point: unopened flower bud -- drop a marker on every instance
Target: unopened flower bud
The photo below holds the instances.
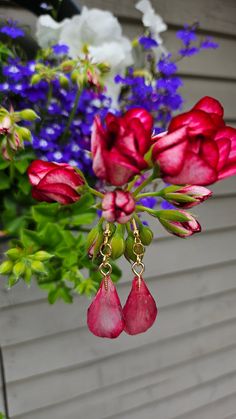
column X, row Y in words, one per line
column 67, row 66
column 42, row 256
column 28, row 115
column 118, row 242
column 118, row 206
column 24, row 133
column 35, row 79
column 14, row 253
column 175, row 224
column 104, row 67
column 27, row 275
column 129, row 244
column 38, row 267
column 19, row 269
column 74, row 75
column 6, row 267
column 94, row 241
column 186, row 196
column 146, row 235
column 63, row 80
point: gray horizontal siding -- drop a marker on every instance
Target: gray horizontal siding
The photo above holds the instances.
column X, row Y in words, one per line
column 185, row 366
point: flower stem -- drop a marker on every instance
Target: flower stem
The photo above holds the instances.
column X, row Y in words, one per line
column 95, row 192
column 147, row 194
column 142, row 208
column 132, row 183
column 143, row 184
column 71, row 117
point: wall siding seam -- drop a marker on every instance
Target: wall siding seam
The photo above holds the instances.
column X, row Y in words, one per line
column 168, row 307
column 176, row 27
column 151, row 278
column 143, row 347
column 179, row 393
column 135, row 379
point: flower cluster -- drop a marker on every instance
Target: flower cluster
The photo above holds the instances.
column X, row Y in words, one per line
column 156, row 85
column 54, row 138
column 104, row 137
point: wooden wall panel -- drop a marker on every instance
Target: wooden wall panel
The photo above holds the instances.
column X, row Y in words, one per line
column 184, row 367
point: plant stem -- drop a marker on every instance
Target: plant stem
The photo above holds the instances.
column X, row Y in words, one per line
column 12, row 171
column 71, row 117
column 141, row 208
column 95, row 192
column 143, row 184
column 132, row 183
column 147, row 194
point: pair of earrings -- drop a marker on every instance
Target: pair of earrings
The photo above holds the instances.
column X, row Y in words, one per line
column 106, row 318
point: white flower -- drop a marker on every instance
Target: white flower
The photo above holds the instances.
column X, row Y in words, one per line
column 48, row 30
column 100, row 31
column 151, row 20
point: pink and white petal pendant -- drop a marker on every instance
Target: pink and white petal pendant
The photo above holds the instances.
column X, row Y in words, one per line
column 105, row 317
column 140, row 309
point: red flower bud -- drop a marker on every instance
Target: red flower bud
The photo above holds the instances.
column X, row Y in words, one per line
column 140, row 309
column 186, row 196
column 104, row 317
column 118, row 206
column 181, row 229
column 54, row 182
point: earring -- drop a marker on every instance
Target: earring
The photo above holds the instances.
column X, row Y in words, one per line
column 104, row 316
column 140, row 309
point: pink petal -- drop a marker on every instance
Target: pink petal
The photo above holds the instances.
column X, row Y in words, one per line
column 224, row 146
column 62, row 175
column 108, row 201
column 195, row 171
column 104, row 317
column 97, row 148
column 172, row 159
column 39, row 196
column 209, row 152
column 228, row 170
column 144, row 117
column 38, row 169
column 230, row 133
column 143, row 137
column 196, row 121
column 59, row 192
column 140, row 309
column 119, row 169
column 210, row 105
column 166, row 141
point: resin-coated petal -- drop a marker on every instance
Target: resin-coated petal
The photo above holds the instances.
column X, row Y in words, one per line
column 104, row 317
column 140, row 309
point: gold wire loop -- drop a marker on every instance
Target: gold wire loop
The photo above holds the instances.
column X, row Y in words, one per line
column 138, row 269
column 138, row 266
column 106, row 250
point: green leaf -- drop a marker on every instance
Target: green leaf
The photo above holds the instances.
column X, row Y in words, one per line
column 85, row 202
column 15, row 224
column 31, row 239
column 21, row 165
column 45, row 212
column 4, row 164
column 51, row 236
column 5, row 181
column 24, row 185
column 82, row 219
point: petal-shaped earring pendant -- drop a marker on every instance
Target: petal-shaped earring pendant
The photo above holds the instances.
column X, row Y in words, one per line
column 104, row 317
column 140, row 309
